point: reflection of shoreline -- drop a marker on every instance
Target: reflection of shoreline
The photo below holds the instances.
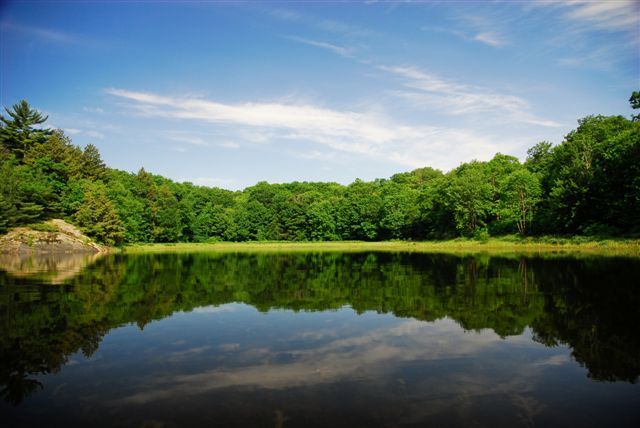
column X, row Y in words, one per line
column 51, row 268
column 560, row 300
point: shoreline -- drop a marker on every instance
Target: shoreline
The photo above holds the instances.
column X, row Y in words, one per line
column 459, row 246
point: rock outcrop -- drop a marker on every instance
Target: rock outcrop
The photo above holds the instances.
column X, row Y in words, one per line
column 55, row 237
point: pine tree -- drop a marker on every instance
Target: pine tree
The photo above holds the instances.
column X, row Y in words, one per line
column 94, row 167
column 7, row 213
column 99, row 219
column 17, row 132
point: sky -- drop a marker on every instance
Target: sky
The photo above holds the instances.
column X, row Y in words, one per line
column 228, row 94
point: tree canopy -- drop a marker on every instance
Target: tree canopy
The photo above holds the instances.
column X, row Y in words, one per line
column 587, row 184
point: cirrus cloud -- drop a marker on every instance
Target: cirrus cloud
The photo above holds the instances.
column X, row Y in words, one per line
column 357, row 133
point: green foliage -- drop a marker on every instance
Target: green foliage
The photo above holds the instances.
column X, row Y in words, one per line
column 212, row 222
column 44, row 227
column 93, row 167
column 17, row 132
column 469, row 196
column 635, row 104
column 594, row 176
column 98, row 217
column 588, row 184
column 520, row 192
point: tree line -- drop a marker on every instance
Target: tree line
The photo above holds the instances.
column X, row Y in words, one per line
column 589, row 184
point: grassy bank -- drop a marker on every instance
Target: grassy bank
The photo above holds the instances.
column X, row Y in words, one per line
column 494, row 245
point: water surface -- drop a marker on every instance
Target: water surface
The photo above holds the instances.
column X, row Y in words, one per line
column 323, row 339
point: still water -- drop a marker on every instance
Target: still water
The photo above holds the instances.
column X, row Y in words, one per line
column 320, row 339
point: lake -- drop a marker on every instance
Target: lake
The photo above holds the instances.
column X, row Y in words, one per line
column 320, row 339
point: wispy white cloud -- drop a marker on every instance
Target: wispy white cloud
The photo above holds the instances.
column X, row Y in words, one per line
column 489, row 37
column 94, row 134
column 50, row 35
column 82, row 132
column 580, row 41
column 93, row 110
column 361, row 133
column 229, row 145
column 286, row 15
column 597, row 58
column 317, row 155
column 181, row 137
column 457, row 98
column 343, row 28
column 43, row 33
column 340, row 50
column 612, row 15
column 326, row 25
column 200, row 140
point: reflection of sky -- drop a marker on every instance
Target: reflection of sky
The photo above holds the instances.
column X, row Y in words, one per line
column 428, row 369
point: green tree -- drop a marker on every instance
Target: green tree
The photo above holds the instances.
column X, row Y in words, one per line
column 469, row 196
column 520, row 193
column 635, row 104
column 25, row 193
column 358, row 212
column 92, row 165
column 17, row 132
column 399, row 210
column 98, row 217
column 594, row 177
column 212, row 222
column 167, row 227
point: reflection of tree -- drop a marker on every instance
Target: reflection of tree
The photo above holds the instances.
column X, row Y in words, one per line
column 595, row 313
column 563, row 300
column 17, row 386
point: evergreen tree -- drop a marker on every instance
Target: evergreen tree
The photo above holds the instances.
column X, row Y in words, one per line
column 99, row 219
column 17, row 132
column 92, row 166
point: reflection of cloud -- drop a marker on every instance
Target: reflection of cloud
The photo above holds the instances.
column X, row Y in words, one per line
column 421, row 370
column 186, row 353
column 366, row 356
column 216, row 309
column 229, row 347
column 554, row 360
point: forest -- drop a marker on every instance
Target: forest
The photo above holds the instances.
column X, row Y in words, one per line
column 589, row 184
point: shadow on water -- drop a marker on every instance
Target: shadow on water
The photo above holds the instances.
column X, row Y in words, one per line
column 588, row 304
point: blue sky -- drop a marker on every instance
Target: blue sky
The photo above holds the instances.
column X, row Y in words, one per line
column 228, row 94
